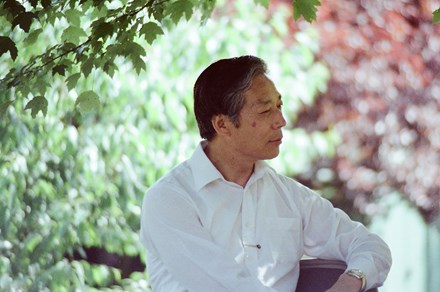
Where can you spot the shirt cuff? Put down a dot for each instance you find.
(367, 268)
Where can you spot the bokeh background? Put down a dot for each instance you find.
(361, 94)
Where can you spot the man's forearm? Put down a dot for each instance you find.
(346, 283)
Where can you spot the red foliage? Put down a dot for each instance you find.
(383, 99)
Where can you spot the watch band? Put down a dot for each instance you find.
(359, 275)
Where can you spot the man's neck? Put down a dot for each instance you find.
(233, 168)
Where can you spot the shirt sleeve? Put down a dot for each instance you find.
(330, 234)
(184, 251)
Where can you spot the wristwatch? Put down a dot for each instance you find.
(359, 275)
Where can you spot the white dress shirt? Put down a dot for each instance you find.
(203, 233)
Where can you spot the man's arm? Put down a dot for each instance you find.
(346, 283)
(171, 229)
(330, 233)
(159, 277)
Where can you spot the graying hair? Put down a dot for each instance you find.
(220, 90)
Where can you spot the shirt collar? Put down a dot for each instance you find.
(202, 168)
(204, 172)
(261, 167)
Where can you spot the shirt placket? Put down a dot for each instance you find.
(250, 246)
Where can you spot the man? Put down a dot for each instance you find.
(225, 221)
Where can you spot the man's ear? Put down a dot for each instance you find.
(221, 124)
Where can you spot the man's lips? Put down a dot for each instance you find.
(276, 140)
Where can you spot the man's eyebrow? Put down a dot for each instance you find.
(264, 101)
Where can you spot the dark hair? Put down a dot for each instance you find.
(219, 90)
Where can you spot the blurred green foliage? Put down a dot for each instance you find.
(89, 34)
(74, 180)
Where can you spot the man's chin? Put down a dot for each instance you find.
(272, 155)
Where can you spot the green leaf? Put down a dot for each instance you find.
(436, 16)
(135, 4)
(97, 46)
(109, 68)
(73, 16)
(13, 7)
(97, 3)
(60, 69)
(115, 50)
(22, 88)
(24, 20)
(138, 63)
(150, 30)
(41, 86)
(88, 101)
(136, 49)
(157, 11)
(180, 8)
(87, 66)
(72, 80)
(38, 103)
(6, 44)
(33, 3)
(68, 47)
(264, 3)
(46, 3)
(103, 30)
(305, 8)
(73, 34)
(33, 36)
(53, 16)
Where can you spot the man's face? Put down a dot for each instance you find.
(259, 135)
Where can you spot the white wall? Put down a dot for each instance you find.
(415, 247)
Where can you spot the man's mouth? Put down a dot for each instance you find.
(277, 140)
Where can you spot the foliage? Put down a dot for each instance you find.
(436, 16)
(306, 8)
(383, 98)
(75, 178)
(89, 35)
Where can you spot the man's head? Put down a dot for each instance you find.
(220, 88)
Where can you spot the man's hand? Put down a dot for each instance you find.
(346, 283)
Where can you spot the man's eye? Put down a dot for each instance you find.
(265, 112)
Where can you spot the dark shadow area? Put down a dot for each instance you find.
(96, 255)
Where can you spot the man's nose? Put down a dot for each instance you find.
(279, 120)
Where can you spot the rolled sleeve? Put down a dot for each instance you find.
(330, 234)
